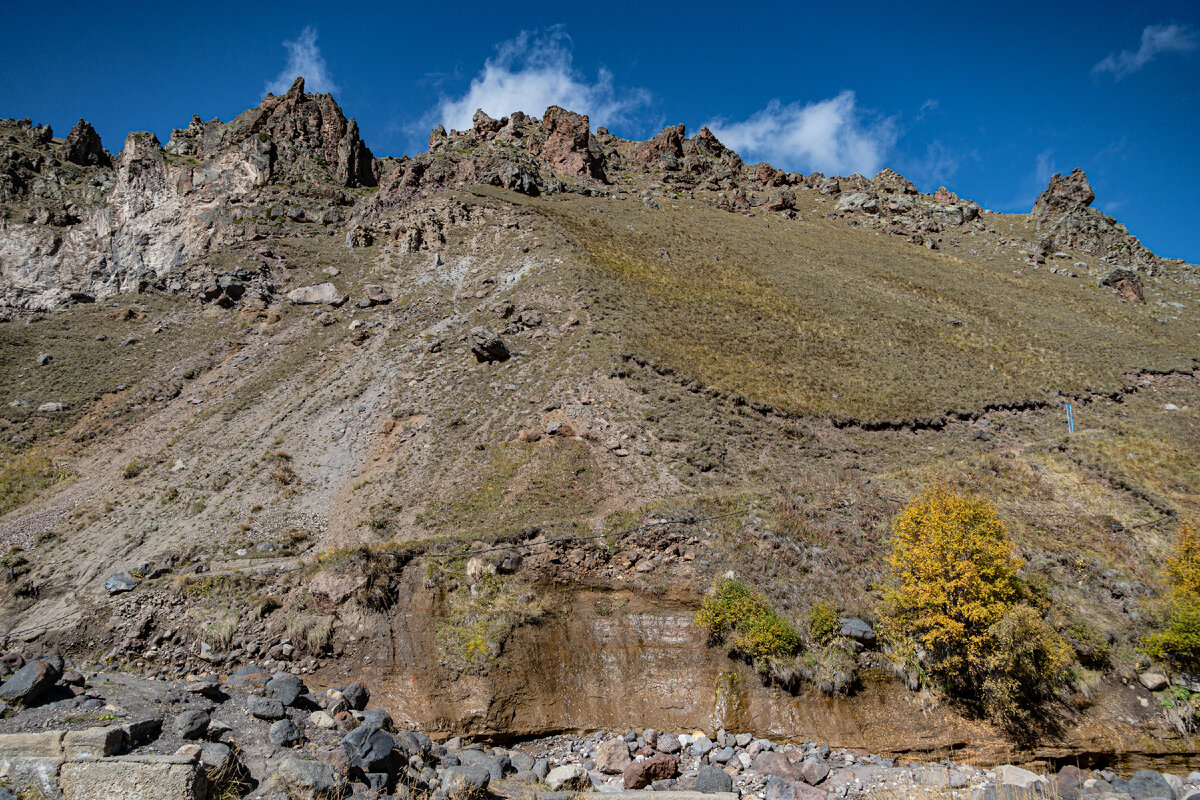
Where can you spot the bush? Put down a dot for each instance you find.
(1179, 641)
(132, 470)
(822, 622)
(954, 607)
(743, 618)
(1025, 658)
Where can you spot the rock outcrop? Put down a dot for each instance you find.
(1063, 213)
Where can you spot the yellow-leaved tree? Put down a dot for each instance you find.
(1179, 641)
(954, 603)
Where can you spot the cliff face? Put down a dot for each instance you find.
(97, 232)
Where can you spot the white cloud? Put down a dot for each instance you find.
(531, 73)
(1156, 39)
(304, 58)
(937, 167)
(832, 136)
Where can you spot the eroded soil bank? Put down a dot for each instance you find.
(624, 660)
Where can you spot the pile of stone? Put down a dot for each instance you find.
(267, 735)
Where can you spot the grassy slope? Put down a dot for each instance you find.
(818, 319)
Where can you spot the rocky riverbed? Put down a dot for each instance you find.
(259, 734)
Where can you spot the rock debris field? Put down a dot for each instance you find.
(267, 735)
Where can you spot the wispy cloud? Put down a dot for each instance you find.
(531, 73)
(832, 136)
(304, 58)
(1156, 39)
(938, 166)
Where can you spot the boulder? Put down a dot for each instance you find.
(814, 770)
(712, 779)
(570, 777)
(1126, 283)
(369, 749)
(249, 678)
(357, 696)
(308, 779)
(1147, 783)
(641, 774)
(191, 724)
(285, 688)
(375, 295)
(322, 293)
(30, 681)
(668, 743)
(1015, 777)
(284, 733)
(93, 742)
(119, 583)
(857, 630)
(265, 708)
(776, 763)
(487, 345)
(780, 787)
(612, 757)
(466, 782)
(133, 778)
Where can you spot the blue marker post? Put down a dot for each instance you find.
(1070, 418)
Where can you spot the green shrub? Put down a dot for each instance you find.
(132, 470)
(822, 622)
(1026, 659)
(742, 617)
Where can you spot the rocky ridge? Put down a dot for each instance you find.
(81, 225)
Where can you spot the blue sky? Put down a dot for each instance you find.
(987, 99)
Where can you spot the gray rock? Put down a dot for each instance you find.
(191, 724)
(357, 696)
(467, 782)
(30, 682)
(702, 746)
(285, 688)
(857, 630)
(722, 756)
(743, 739)
(369, 749)
(120, 583)
(570, 777)
(322, 293)
(814, 770)
(1016, 777)
(1147, 783)
(668, 743)
(310, 779)
(284, 733)
(713, 779)
(541, 768)
(486, 345)
(522, 762)
(44, 359)
(265, 708)
(1154, 681)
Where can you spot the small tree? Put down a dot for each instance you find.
(955, 575)
(1179, 641)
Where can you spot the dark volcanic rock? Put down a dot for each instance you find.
(30, 681)
(487, 345)
(82, 146)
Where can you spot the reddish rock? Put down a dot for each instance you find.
(484, 126)
(664, 150)
(709, 143)
(1125, 283)
(566, 149)
(641, 774)
(772, 762)
(1065, 194)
